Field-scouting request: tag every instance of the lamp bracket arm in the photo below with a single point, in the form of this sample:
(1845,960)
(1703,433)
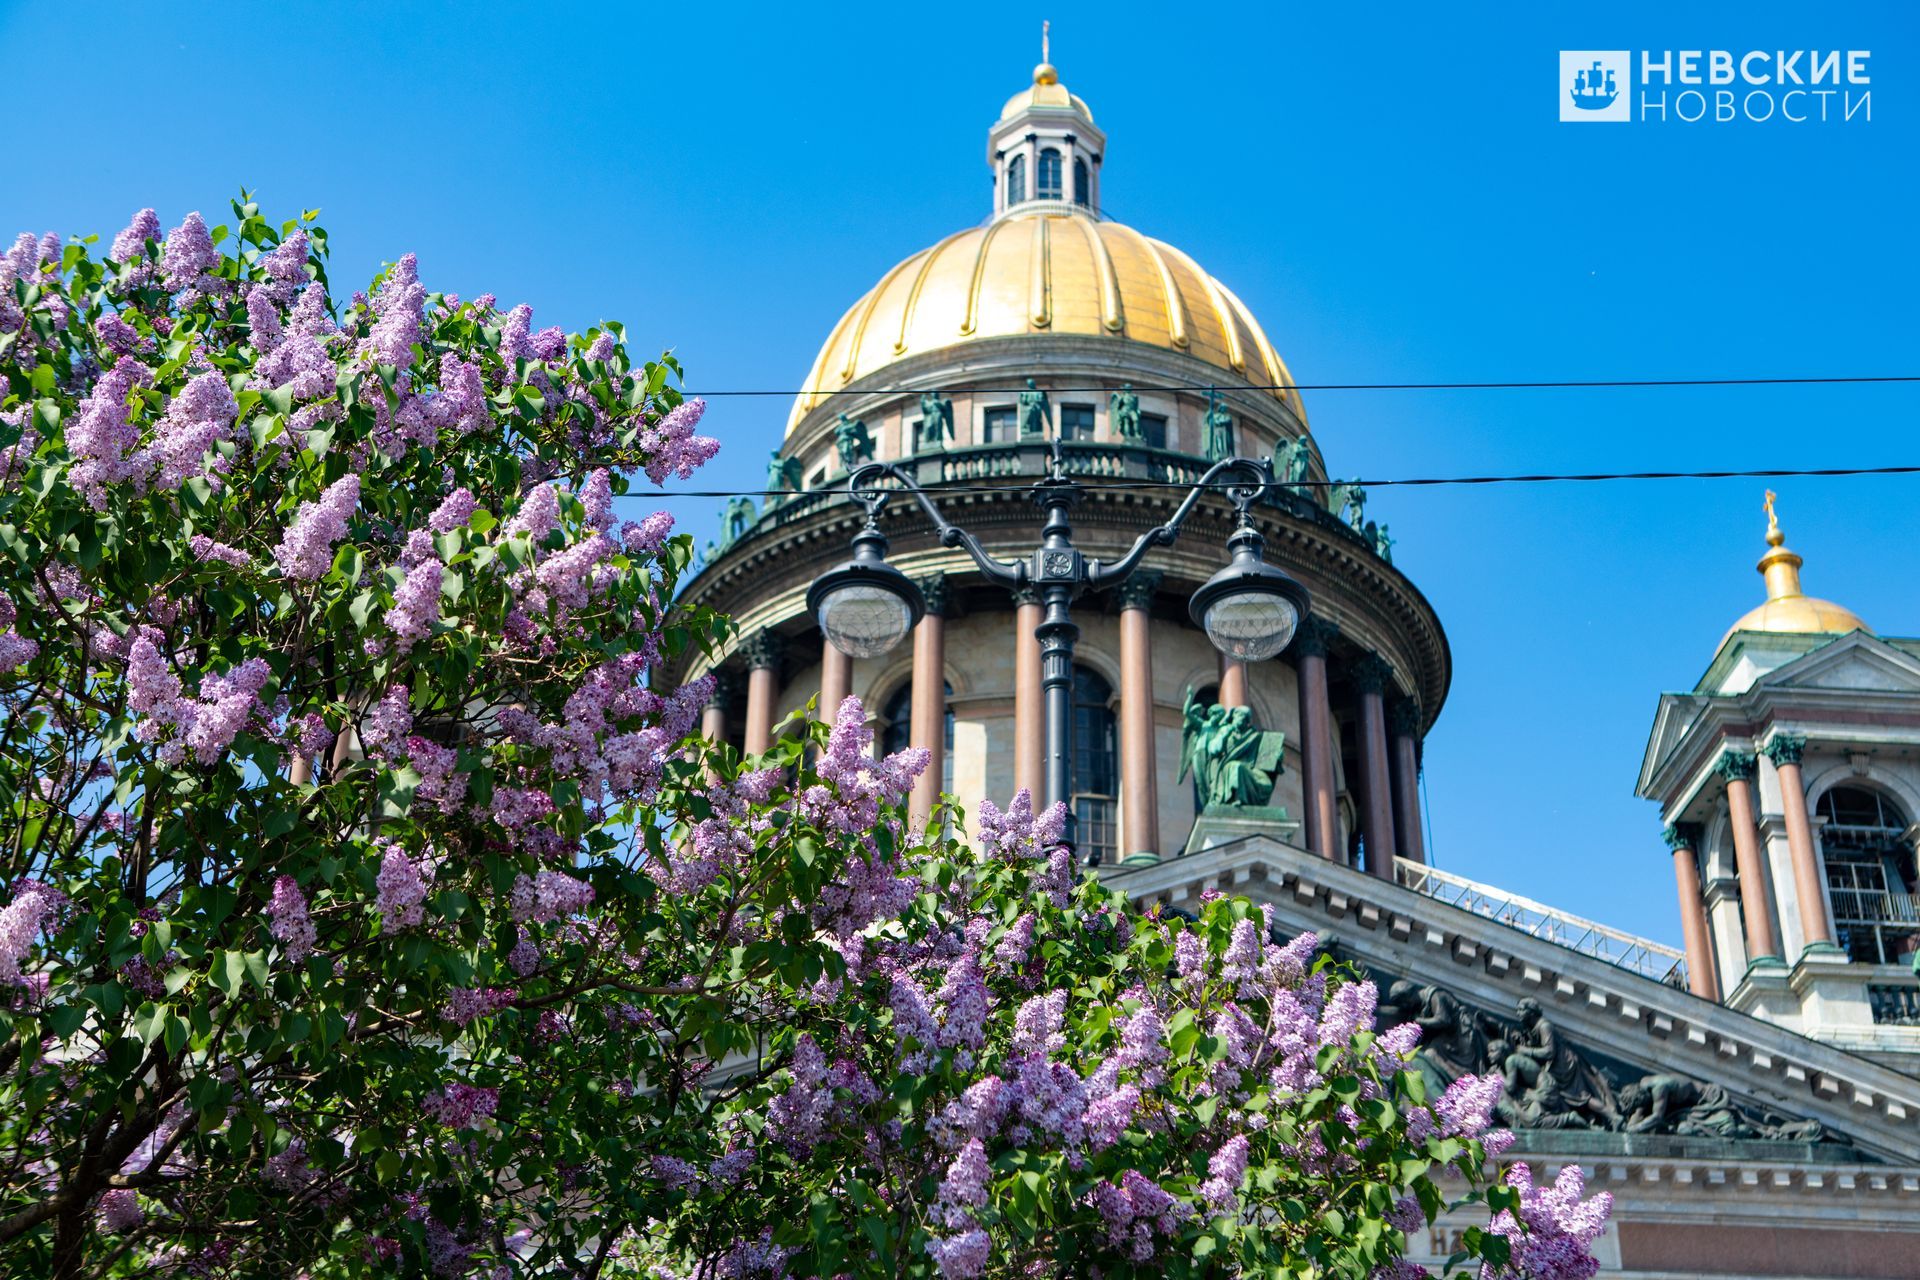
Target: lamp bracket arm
(860,485)
(1243,497)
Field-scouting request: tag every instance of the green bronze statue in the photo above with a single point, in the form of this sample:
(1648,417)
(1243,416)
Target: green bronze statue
(1123,413)
(1233,763)
(1291,458)
(854,441)
(1035,413)
(735,520)
(1219,428)
(936,420)
(783,476)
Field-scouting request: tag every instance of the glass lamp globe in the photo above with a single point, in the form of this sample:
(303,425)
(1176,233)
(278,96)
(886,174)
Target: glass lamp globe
(1251,626)
(864,620)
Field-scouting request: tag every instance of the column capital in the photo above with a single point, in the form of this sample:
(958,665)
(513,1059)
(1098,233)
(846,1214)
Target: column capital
(725,685)
(1372,674)
(1735,765)
(1682,835)
(1026,595)
(763,650)
(1786,748)
(936,593)
(1138,590)
(1315,637)
(1403,718)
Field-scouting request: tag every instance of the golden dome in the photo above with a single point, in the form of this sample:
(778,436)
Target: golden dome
(1046,270)
(1787,610)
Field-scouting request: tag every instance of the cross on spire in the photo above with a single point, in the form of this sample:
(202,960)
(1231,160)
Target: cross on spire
(1045,28)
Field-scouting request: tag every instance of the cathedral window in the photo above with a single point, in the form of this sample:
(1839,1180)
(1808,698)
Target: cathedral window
(1870,874)
(1095,771)
(1016,180)
(1000,426)
(1047,176)
(896,729)
(1082,187)
(1076,422)
(1153,427)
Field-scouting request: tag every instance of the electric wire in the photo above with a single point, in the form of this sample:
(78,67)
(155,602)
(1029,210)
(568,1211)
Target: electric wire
(1570,384)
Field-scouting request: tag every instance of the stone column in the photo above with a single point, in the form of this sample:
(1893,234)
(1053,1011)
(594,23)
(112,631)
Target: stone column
(1029,708)
(1233,682)
(1316,736)
(836,679)
(762,651)
(1403,737)
(928,728)
(1371,675)
(1684,840)
(713,717)
(1139,795)
(1756,903)
(1809,885)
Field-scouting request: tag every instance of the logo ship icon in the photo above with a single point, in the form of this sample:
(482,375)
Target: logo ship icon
(1593,90)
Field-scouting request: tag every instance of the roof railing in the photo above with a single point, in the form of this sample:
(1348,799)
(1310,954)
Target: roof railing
(1643,956)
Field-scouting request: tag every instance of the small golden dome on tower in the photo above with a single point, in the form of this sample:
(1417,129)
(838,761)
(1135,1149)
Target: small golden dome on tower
(1045,74)
(1787,610)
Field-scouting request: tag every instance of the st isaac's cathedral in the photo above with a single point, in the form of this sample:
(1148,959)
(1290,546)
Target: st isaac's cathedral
(1753,1102)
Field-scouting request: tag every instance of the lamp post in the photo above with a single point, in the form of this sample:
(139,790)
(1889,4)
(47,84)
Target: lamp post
(1249,609)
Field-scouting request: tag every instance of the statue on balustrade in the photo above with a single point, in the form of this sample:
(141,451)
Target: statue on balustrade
(1348,501)
(936,420)
(854,441)
(1382,541)
(783,477)
(736,519)
(1233,763)
(1291,458)
(1123,412)
(1035,413)
(1219,428)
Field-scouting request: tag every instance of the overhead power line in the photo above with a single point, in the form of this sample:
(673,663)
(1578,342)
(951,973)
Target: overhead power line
(1403,482)
(1558,385)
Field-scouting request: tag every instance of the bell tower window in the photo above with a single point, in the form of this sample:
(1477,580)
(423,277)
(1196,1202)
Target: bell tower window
(1047,183)
(1082,188)
(1016,180)
(1870,875)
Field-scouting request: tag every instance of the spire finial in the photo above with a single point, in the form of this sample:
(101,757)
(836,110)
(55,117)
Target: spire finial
(1046,27)
(1044,73)
(1774,536)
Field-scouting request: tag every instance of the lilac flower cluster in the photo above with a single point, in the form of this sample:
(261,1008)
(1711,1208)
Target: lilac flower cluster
(206,548)
(416,604)
(207,725)
(1551,1234)
(649,535)
(401,889)
(672,448)
(464,1004)
(459,1104)
(305,552)
(1135,1211)
(188,257)
(398,309)
(23,920)
(289,922)
(548,896)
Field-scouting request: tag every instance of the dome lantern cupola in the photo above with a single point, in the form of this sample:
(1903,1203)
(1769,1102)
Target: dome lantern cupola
(1787,609)
(1045,146)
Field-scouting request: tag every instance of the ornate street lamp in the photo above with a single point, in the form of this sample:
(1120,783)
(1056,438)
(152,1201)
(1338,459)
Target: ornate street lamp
(1249,610)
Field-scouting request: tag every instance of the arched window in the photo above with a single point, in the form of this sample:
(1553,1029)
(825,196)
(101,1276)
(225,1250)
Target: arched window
(1096,780)
(1870,874)
(1016,180)
(1047,184)
(896,729)
(1082,187)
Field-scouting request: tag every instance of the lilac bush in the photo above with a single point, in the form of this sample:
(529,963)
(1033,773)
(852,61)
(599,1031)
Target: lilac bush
(367,908)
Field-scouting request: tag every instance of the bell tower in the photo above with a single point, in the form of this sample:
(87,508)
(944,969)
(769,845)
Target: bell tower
(1045,148)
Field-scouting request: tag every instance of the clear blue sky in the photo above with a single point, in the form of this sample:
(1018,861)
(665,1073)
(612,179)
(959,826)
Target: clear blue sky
(1386,186)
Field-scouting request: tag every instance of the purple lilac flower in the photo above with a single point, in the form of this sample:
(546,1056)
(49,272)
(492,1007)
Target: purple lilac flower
(454,512)
(672,448)
(131,243)
(398,309)
(1225,1172)
(597,497)
(963,1256)
(1552,1232)
(1407,1215)
(387,722)
(402,890)
(309,318)
(548,896)
(188,255)
(205,548)
(601,349)
(1466,1107)
(196,420)
(290,923)
(648,536)
(227,702)
(16,650)
(305,552)
(416,605)
(539,515)
(287,264)
(120,1211)
(459,1104)
(100,438)
(464,1004)
(264,327)
(21,921)
(441,785)
(118,336)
